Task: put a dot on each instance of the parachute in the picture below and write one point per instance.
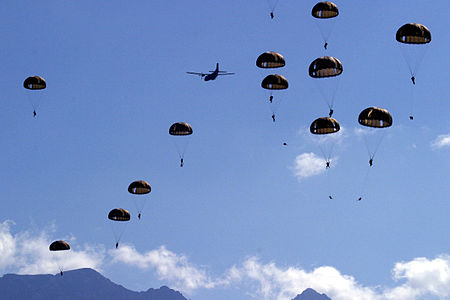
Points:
(140, 187)
(325, 12)
(59, 256)
(119, 216)
(375, 117)
(181, 129)
(412, 39)
(323, 127)
(34, 83)
(270, 60)
(325, 69)
(59, 246)
(274, 82)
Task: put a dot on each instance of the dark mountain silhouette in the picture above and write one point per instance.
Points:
(310, 294)
(81, 284)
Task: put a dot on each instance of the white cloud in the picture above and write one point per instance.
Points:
(442, 140)
(307, 165)
(168, 265)
(25, 253)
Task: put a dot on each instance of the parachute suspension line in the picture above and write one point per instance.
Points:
(272, 5)
(377, 146)
(413, 56)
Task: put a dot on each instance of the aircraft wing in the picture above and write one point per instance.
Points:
(199, 74)
(226, 73)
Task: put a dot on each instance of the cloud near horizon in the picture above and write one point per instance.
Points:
(441, 141)
(25, 253)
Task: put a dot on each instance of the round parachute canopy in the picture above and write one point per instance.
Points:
(270, 60)
(325, 10)
(413, 33)
(375, 117)
(139, 187)
(324, 126)
(35, 83)
(180, 128)
(119, 214)
(325, 66)
(275, 82)
(59, 246)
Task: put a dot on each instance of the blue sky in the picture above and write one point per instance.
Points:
(242, 203)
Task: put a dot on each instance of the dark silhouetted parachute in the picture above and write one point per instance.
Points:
(139, 187)
(325, 13)
(119, 214)
(413, 33)
(270, 60)
(375, 117)
(180, 128)
(57, 256)
(180, 131)
(324, 125)
(59, 246)
(413, 39)
(324, 67)
(34, 84)
(275, 82)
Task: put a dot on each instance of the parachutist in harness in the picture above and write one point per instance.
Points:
(411, 117)
(359, 199)
(34, 113)
(139, 216)
(61, 273)
(284, 144)
(371, 161)
(413, 79)
(271, 15)
(181, 163)
(273, 117)
(331, 198)
(331, 112)
(117, 245)
(327, 165)
(271, 99)
(325, 46)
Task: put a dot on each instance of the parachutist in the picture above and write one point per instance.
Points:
(271, 15)
(271, 99)
(181, 163)
(413, 79)
(61, 273)
(273, 117)
(139, 216)
(411, 117)
(327, 165)
(34, 113)
(371, 162)
(325, 45)
(117, 245)
(360, 198)
(284, 144)
(331, 198)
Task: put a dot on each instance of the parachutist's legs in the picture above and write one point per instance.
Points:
(413, 79)
(117, 245)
